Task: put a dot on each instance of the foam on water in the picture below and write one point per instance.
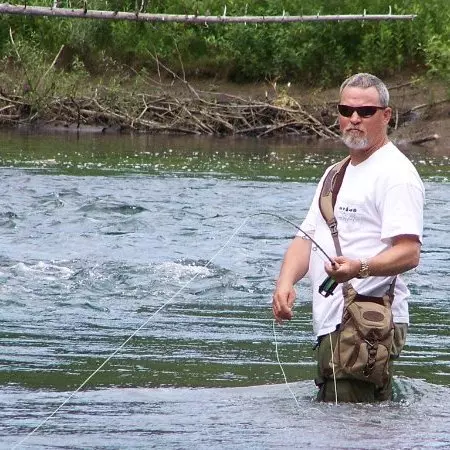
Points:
(183, 270)
(42, 270)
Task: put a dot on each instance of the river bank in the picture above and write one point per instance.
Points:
(421, 110)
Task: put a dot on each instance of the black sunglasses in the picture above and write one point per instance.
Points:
(362, 111)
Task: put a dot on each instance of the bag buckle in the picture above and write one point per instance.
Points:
(332, 225)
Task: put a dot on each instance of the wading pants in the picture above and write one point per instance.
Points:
(350, 389)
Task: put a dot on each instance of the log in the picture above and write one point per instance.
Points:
(6, 8)
(420, 141)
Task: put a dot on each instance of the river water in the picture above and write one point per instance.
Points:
(135, 283)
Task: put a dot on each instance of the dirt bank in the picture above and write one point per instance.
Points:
(421, 110)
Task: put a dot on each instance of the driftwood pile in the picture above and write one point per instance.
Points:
(201, 113)
(179, 108)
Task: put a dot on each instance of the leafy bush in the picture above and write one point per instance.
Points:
(319, 53)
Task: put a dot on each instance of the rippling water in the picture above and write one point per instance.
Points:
(145, 263)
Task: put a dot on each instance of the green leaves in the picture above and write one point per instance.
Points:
(320, 53)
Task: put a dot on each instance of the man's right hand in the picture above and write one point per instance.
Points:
(282, 302)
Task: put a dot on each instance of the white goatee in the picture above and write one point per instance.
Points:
(354, 142)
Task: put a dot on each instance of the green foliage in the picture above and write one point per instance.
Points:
(437, 52)
(319, 53)
(36, 80)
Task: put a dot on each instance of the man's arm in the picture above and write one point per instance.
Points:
(404, 255)
(295, 266)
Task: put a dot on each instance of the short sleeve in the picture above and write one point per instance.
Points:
(403, 211)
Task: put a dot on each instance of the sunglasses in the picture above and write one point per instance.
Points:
(362, 111)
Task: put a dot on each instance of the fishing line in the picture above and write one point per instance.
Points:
(164, 305)
(281, 365)
(334, 373)
(130, 337)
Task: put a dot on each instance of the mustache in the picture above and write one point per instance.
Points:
(353, 129)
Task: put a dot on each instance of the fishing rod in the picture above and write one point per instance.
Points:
(329, 284)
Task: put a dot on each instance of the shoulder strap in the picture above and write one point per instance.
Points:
(328, 195)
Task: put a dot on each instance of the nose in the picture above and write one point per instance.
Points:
(354, 118)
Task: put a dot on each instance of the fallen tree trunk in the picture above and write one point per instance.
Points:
(423, 140)
(137, 16)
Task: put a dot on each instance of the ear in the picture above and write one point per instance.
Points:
(387, 114)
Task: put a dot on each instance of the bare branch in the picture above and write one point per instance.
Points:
(50, 67)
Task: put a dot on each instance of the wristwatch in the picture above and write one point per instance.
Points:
(364, 271)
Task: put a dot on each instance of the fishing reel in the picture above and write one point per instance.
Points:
(328, 286)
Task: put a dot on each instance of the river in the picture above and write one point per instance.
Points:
(136, 275)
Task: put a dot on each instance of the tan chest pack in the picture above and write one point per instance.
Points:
(366, 332)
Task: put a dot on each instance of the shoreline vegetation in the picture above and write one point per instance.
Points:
(258, 80)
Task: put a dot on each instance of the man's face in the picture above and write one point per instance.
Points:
(363, 133)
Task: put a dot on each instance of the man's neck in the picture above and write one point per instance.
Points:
(359, 156)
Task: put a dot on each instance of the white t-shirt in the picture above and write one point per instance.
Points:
(379, 199)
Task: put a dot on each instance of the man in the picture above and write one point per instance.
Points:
(379, 212)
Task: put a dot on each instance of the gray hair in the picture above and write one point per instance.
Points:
(365, 81)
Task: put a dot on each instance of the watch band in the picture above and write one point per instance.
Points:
(364, 270)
